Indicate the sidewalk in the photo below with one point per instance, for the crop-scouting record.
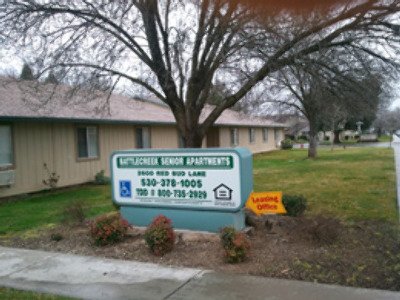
(97, 278)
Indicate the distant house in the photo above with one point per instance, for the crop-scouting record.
(348, 135)
(74, 133)
(296, 126)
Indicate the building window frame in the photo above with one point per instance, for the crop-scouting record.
(234, 136)
(265, 134)
(252, 135)
(145, 144)
(88, 145)
(11, 164)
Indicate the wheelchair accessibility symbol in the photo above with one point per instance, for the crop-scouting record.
(125, 189)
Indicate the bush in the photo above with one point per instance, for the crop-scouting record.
(290, 137)
(74, 213)
(160, 236)
(108, 229)
(56, 237)
(303, 137)
(52, 178)
(325, 230)
(101, 179)
(301, 141)
(295, 205)
(236, 245)
(287, 144)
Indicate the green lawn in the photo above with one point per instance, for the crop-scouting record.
(352, 184)
(46, 209)
(384, 138)
(11, 294)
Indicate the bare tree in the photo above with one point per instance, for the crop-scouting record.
(329, 97)
(389, 121)
(177, 50)
(359, 102)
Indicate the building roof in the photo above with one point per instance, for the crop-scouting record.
(29, 100)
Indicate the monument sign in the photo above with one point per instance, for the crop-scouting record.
(199, 189)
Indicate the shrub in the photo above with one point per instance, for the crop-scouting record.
(101, 179)
(56, 237)
(295, 205)
(325, 230)
(74, 213)
(108, 229)
(290, 137)
(300, 141)
(287, 144)
(160, 236)
(52, 178)
(303, 137)
(236, 245)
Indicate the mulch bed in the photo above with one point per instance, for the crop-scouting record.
(364, 254)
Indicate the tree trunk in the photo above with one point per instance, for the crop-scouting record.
(190, 132)
(192, 139)
(336, 138)
(312, 149)
(333, 131)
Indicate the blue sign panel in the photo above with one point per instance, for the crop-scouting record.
(125, 188)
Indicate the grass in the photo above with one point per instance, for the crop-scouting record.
(11, 294)
(44, 210)
(352, 184)
(384, 138)
(301, 141)
(349, 142)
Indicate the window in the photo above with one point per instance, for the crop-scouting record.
(143, 139)
(252, 135)
(6, 147)
(234, 137)
(265, 135)
(277, 135)
(88, 146)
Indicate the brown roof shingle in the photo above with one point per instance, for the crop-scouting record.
(32, 100)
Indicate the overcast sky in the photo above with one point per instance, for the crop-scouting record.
(10, 63)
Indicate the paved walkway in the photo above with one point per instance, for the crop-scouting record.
(340, 146)
(97, 278)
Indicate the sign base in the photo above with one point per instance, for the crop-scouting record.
(211, 221)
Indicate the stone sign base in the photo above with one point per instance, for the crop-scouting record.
(199, 220)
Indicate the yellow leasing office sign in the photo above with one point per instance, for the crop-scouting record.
(266, 203)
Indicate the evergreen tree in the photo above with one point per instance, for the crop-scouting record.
(26, 73)
(51, 79)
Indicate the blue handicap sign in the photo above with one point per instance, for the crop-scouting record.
(125, 188)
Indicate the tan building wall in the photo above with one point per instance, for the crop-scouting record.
(259, 145)
(54, 144)
(164, 137)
